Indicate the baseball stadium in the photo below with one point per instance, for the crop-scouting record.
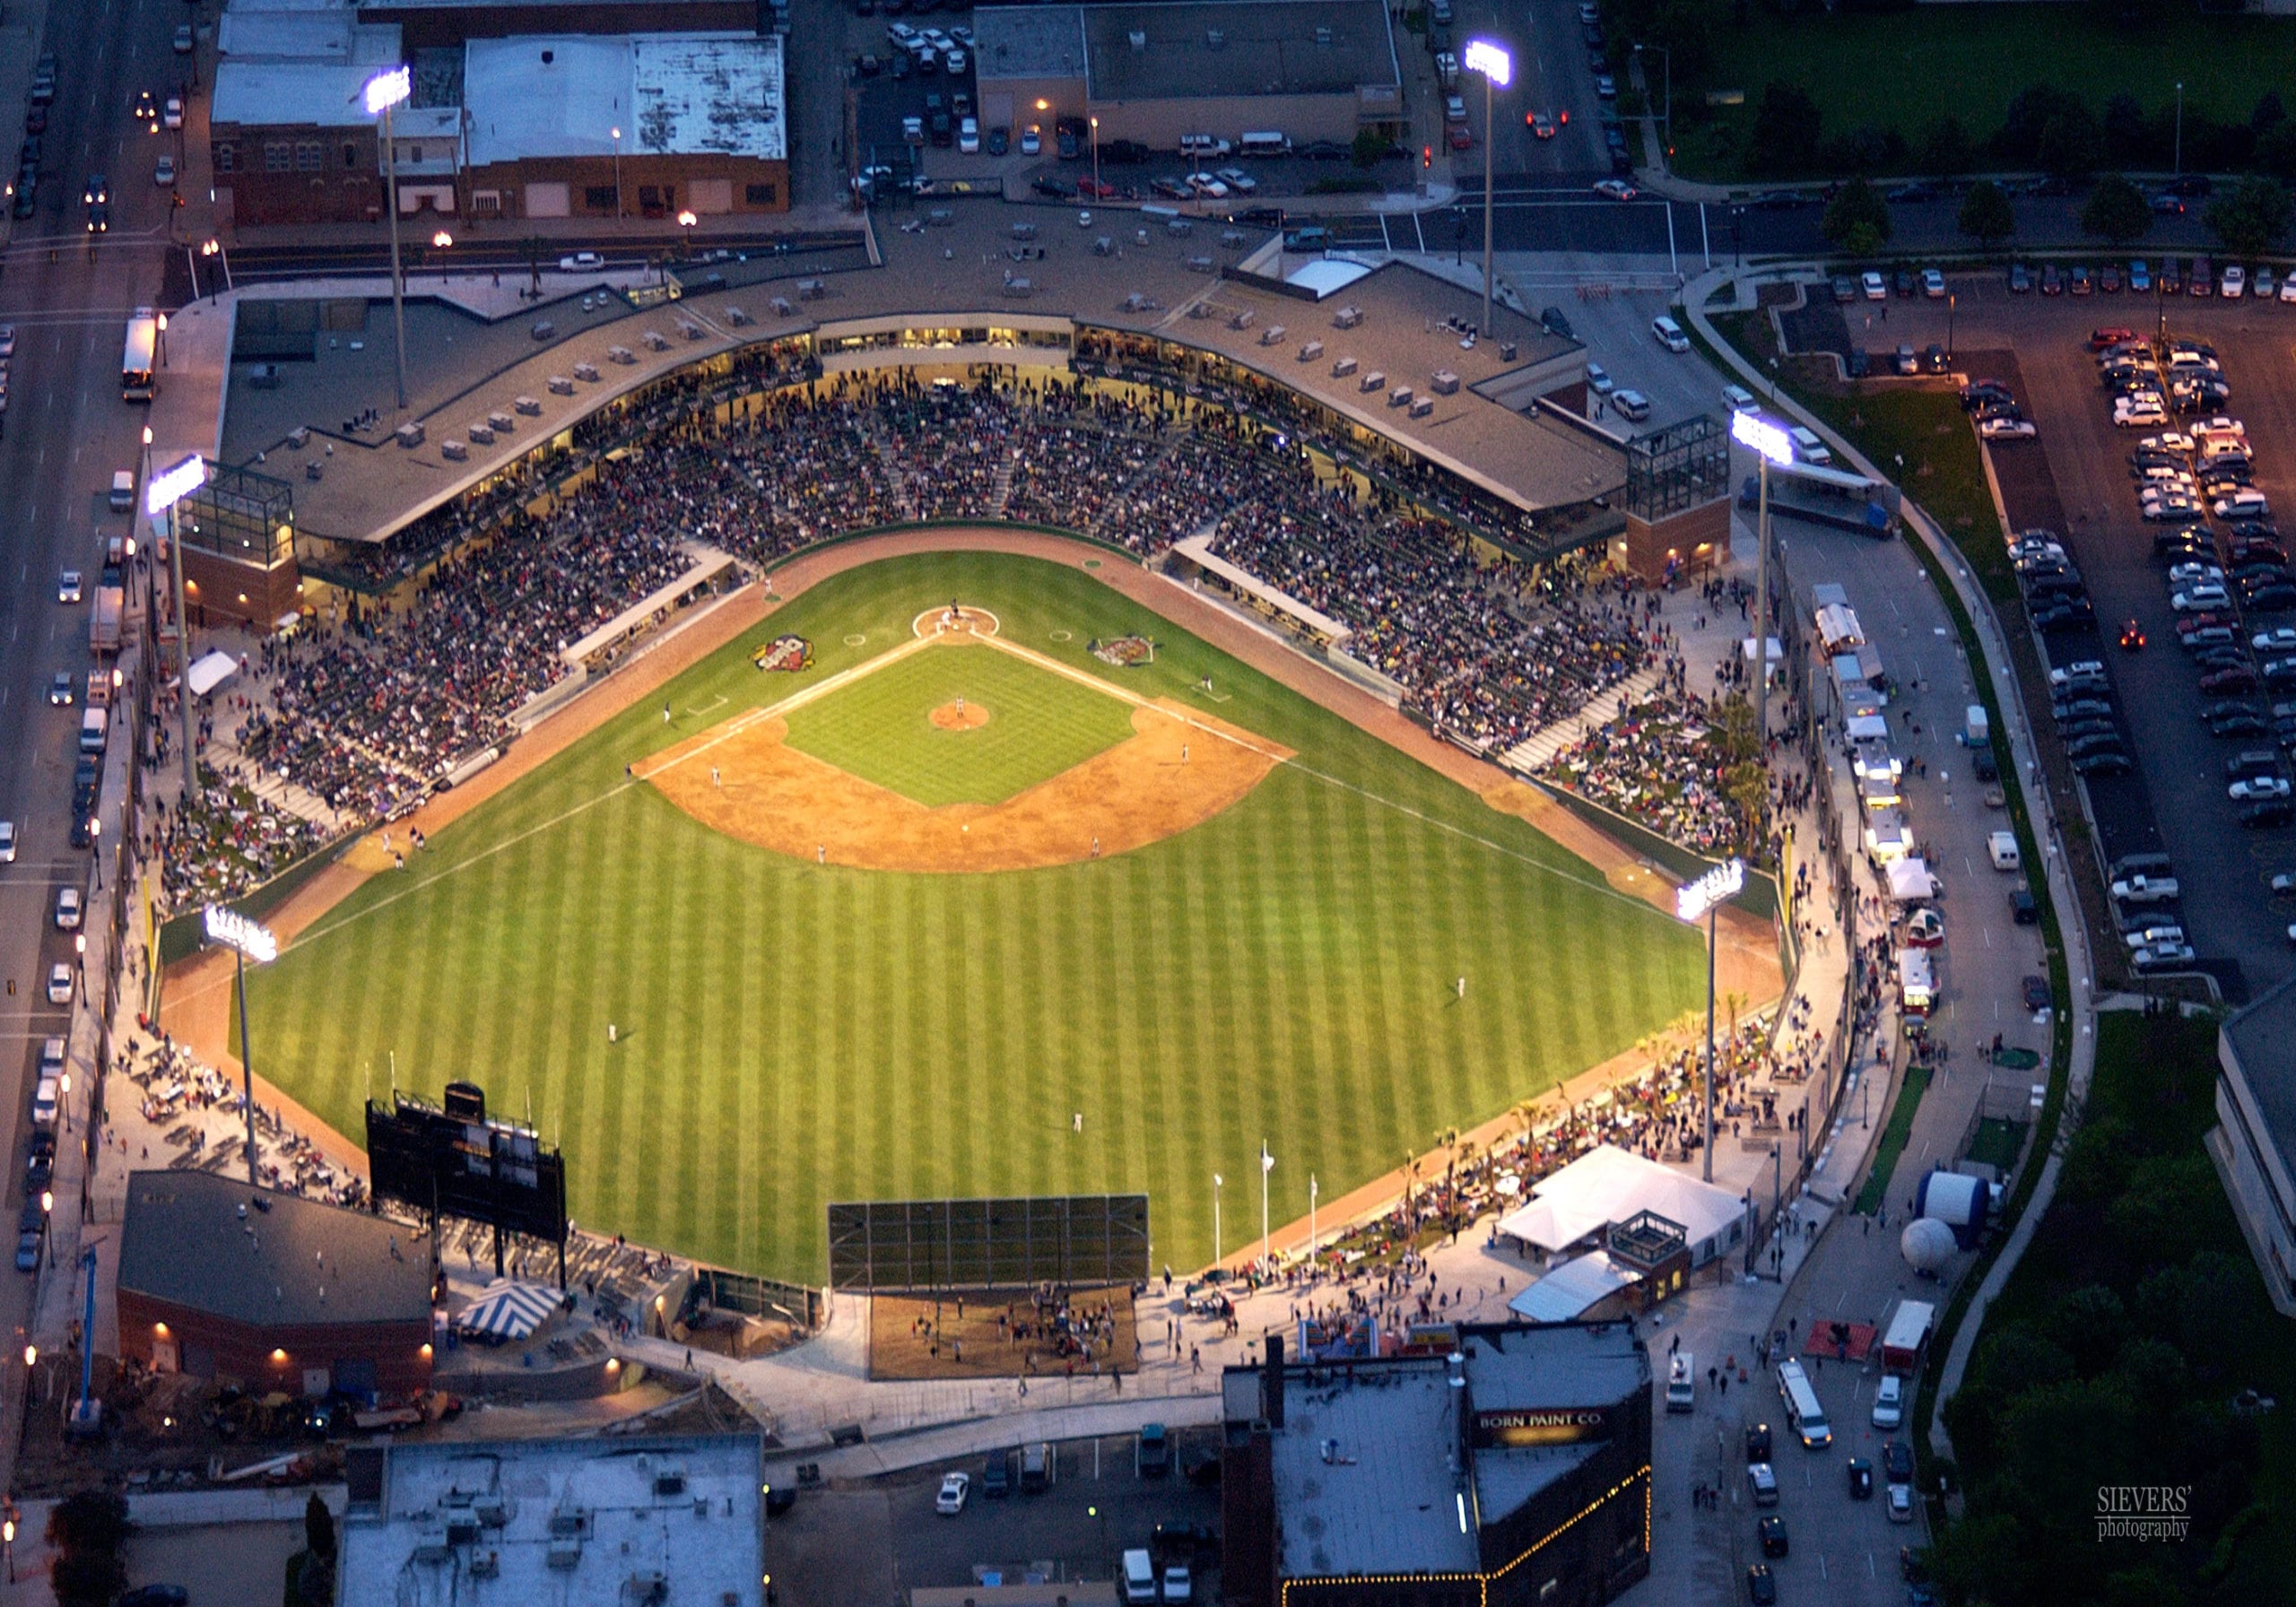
(1031, 776)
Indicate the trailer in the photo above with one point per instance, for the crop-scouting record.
(1908, 1331)
(103, 624)
(1959, 1201)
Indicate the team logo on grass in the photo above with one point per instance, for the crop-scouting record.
(785, 653)
(1125, 652)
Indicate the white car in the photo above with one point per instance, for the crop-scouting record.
(68, 587)
(7, 842)
(2162, 957)
(1738, 399)
(1889, 1402)
(1599, 382)
(2242, 504)
(1933, 283)
(1876, 288)
(2172, 508)
(2139, 418)
(1632, 404)
(1206, 186)
(1617, 189)
(954, 1488)
(59, 984)
(581, 262)
(2152, 932)
(2280, 639)
(183, 40)
(901, 35)
(2185, 573)
(1177, 1586)
(1236, 180)
(67, 909)
(968, 137)
(171, 114)
(2234, 284)
(2200, 597)
(2256, 787)
(1901, 1502)
(954, 62)
(163, 172)
(2288, 289)
(2007, 430)
(1032, 139)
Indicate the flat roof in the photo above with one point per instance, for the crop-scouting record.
(2263, 1039)
(563, 1520)
(289, 1261)
(1229, 47)
(1362, 1470)
(1028, 41)
(672, 94)
(323, 92)
(1525, 458)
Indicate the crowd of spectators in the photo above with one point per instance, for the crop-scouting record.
(216, 849)
(1658, 762)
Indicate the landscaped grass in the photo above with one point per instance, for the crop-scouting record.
(879, 727)
(1894, 1139)
(1997, 1143)
(790, 1035)
(1903, 68)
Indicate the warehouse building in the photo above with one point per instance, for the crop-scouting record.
(1307, 69)
(271, 1291)
(633, 125)
(1515, 1470)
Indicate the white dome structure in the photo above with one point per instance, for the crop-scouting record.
(1927, 1244)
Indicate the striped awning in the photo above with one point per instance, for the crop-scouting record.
(508, 1310)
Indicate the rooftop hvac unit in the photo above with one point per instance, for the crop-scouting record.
(621, 354)
(502, 423)
(781, 308)
(1342, 366)
(1372, 381)
(1444, 383)
(1138, 39)
(586, 372)
(1400, 397)
(565, 1554)
(559, 384)
(484, 434)
(1423, 406)
(544, 330)
(1311, 351)
(1273, 336)
(1199, 264)
(452, 451)
(656, 341)
(1243, 320)
(691, 332)
(527, 405)
(1214, 40)
(431, 1544)
(1017, 287)
(1323, 36)
(1200, 310)
(492, 1511)
(644, 1589)
(299, 437)
(669, 1483)
(1347, 317)
(736, 317)
(486, 1565)
(410, 434)
(462, 1527)
(569, 1520)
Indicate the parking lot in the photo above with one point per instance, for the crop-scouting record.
(2076, 479)
(866, 1542)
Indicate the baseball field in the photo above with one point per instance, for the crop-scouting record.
(963, 908)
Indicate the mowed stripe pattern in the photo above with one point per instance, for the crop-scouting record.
(879, 727)
(790, 1035)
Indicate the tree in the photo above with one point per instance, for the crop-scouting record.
(319, 1528)
(1786, 130)
(1946, 148)
(1987, 216)
(2072, 143)
(1370, 145)
(2116, 210)
(87, 1531)
(2276, 151)
(1857, 219)
(2250, 216)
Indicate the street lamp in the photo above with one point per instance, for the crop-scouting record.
(442, 240)
(1490, 58)
(1769, 444)
(686, 220)
(2178, 168)
(1691, 903)
(617, 172)
(215, 247)
(1952, 301)
(1096, 161)
(383, 92)
(248, 939)
(161, 494)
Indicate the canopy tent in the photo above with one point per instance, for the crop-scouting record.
(1910, 881)
(211, 670)
(1573, 1288)
(1610, 1185)
(508, 1309)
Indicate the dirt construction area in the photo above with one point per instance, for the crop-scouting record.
(1002, 1334)
(1178, 770)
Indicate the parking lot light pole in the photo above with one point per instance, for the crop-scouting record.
(1490, 59)
(2176, 167)
(1951, 301)
(1096, 161)
(1769, 444)
(385, 89)
(617, 173)
(1692, 899)
(161, 495)
(247, 940)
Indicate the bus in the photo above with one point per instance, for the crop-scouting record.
(139, 364)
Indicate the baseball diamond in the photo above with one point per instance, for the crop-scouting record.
(726, 1030)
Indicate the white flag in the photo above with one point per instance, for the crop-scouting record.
(1266, 1161)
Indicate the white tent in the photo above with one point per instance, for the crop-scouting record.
(1571, 1288)
(508, 1309)
(210, 671)
(1910, 881)
(1609, 1184)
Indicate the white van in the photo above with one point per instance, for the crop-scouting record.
(1807, 446)
(1738, 398)
(2002, 846)
(1682, 1383)
(1265, 143)
(1139, 1576)
(1669, 334)
(1803, 1412)
(123, 490)
(94, 723)
(44, 1104)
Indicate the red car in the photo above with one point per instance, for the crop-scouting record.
(2098, 339)
(1460, 137)
(1095, 189)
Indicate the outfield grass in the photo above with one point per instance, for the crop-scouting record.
(879, 729)
(791, 1035)
(1905, 68)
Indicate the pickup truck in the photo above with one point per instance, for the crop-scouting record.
(2145, 889)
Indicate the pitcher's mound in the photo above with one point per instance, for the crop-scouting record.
(959, 716)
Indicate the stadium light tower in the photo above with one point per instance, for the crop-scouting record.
(1691, 903)
(161, 495)
(248, 939)
(1490, 58)
(383, 92)
(1769, 444)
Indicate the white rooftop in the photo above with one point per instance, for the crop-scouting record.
(680, 94)
(548, 1521)
(1326, 274)
(325, 94)
(1569, 1289)
(1609, 1184)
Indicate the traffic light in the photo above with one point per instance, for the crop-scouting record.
(1566, 118)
